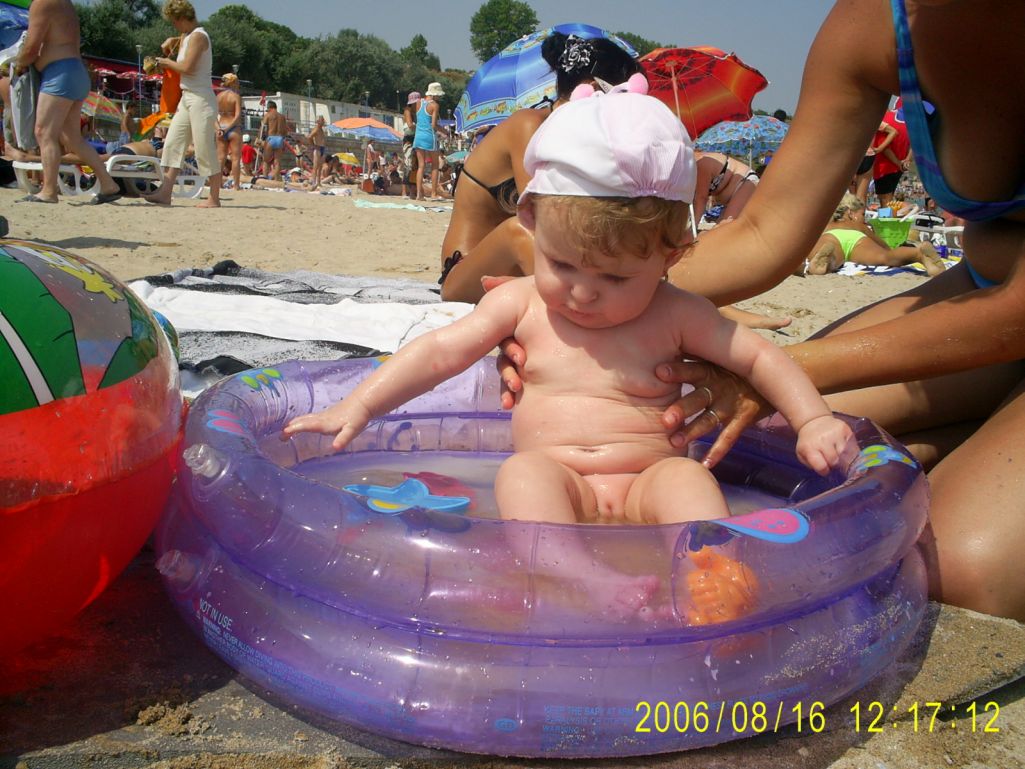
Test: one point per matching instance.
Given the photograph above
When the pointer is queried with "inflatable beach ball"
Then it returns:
(91, 416)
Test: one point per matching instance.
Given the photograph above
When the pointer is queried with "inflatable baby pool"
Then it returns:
(374, 588)
(91, 415)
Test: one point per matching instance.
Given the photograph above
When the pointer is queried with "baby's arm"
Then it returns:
(821, 437)
(421, 365)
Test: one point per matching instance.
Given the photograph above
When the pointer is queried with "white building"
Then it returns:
(304, 111)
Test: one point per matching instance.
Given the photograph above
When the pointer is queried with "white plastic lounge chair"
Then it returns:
(141, 167)
(928, 226)
(68, 173)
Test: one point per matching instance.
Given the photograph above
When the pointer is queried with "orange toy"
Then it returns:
(91, 416)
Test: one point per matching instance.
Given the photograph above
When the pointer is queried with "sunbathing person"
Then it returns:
(849, 239)
(724, 181)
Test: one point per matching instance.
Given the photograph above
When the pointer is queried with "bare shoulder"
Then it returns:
(673, 300)
(858, 39)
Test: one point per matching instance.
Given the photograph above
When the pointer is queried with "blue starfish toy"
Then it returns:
(392, 500)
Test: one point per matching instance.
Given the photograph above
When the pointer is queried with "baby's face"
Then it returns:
(602, 292)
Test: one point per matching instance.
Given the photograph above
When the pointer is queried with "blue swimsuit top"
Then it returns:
(921, 139)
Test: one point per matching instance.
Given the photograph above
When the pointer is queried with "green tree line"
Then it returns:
(342, 66)
(271, 57)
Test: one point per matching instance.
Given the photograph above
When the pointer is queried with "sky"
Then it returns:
(773, 36)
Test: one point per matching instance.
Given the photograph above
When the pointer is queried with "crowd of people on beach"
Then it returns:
(568, 242)
(203, 133)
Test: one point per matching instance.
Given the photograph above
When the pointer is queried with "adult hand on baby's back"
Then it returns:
(344, 420)
(720, 397)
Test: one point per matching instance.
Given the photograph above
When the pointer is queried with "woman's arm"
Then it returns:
(981, 328)
(845, 90)
(197, 44)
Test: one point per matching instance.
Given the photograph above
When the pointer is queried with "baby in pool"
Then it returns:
(608, 209)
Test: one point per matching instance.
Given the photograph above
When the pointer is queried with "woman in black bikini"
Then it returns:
(484, 236)
(725, 181)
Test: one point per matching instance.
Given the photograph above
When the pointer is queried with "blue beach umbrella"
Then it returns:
(756, 136)
(517, 77)
(13, 21)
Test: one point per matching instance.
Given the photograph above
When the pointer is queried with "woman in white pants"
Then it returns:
(195, 120)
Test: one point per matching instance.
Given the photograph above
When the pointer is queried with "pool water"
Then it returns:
(464, 474)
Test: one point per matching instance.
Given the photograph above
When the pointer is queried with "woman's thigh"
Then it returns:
(867, 251)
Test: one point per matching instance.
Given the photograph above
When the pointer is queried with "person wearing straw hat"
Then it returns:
(425, 140)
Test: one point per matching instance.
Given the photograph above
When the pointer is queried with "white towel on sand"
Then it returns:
(382, 326)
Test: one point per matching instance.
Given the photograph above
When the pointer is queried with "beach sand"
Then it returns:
(279, 231)
(58, 694)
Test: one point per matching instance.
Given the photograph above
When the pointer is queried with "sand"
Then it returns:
(290, 230)
(71, 720)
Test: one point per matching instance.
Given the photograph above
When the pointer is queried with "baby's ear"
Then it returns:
(525, 213)
(582, 91)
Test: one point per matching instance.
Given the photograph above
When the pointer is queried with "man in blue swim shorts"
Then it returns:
(52, 46)
(276, 127)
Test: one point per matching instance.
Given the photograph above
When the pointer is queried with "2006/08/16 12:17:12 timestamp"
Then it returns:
(760, 717)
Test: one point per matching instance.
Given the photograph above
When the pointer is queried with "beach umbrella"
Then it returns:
(368, 127)
(517, 77)
(703, 85)
(13, 21)
(98, 106)
(348, 158)
(756, 136)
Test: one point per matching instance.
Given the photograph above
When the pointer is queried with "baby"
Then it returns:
(608, 209)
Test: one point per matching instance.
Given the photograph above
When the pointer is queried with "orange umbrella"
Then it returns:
(363, 126)
(703, 85)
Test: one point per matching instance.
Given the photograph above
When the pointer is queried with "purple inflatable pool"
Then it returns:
(355, 586)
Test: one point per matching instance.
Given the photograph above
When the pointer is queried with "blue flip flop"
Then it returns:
(34, 199)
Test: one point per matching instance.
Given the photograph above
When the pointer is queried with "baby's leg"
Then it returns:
(720, 588)
(532, 486)
(676, 490)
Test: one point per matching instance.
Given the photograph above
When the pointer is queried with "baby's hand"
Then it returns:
(345, 420)
(822, 441)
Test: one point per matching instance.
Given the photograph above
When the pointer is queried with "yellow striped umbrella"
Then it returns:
(100, 107)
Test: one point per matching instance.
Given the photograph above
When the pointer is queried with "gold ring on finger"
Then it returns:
(709, 393)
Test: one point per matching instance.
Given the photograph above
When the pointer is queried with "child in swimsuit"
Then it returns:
(608, 209)
(849, 239)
